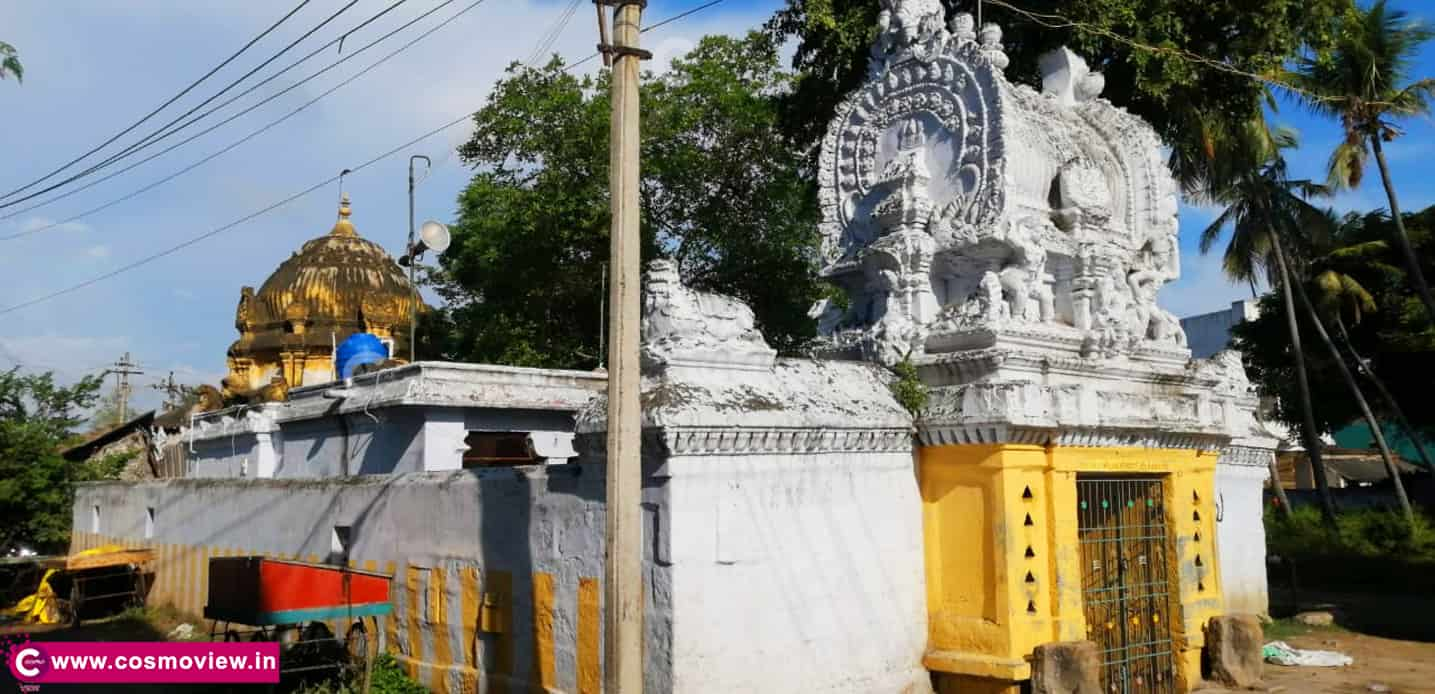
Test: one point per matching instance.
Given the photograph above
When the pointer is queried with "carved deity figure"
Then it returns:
(987, 305)
(1024, 279)
(244, 313)
(1156, 264)
(903, 23)
(907, 206)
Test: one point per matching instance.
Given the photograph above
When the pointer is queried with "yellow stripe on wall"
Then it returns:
(438, 621)
(391, 622)
(544, 669)
(468, 631)
(205, 553)
(166, 573)
(412, 586)
(196, 584)
(590, 628)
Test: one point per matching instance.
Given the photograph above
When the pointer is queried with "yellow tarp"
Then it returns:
(40, 607)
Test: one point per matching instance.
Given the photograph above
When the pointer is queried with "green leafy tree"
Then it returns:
(1365, 83)
(722, 195)
(36, 418)
(1265, 208)
(1184, 65)
(1318, 223)
(1337, 259)
(10, 63)
(1391, 341)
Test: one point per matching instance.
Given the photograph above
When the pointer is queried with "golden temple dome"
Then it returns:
(334, 286)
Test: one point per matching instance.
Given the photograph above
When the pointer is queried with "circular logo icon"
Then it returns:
(29, 662)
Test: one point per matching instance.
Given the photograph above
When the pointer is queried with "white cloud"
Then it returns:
(183, 293)
(100, 251)
(668, 50)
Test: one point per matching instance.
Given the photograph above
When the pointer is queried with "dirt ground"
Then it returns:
(1405, 667)
(1391, 638)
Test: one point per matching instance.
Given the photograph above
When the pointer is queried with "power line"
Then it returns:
(681, 16)
(1056, 21)
(646, 29)
(186, 114)
(151, 139)
(162, 106)
(246, 138)
(273, 206)
(551, 36)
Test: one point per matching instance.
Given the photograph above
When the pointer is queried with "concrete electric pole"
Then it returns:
(173, 392)
(123, 369)
(623, 569)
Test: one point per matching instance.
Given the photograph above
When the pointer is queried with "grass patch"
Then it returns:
(1287, 627)
(387, 677)
(1369, 533)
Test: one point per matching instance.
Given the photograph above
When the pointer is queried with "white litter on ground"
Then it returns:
(1282, 653)
(183, 632)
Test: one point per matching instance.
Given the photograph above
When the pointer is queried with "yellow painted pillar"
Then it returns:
(544, 667)
(590, 629)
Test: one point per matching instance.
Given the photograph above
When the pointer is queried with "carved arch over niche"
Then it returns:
(955, 97)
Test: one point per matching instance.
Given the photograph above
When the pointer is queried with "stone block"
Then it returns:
(1233, 650)
(1068, 667)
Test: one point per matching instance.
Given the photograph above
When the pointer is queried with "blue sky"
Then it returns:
(92, 68)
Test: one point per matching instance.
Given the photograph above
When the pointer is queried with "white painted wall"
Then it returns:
(1241, 537)
(797, 573)
(1209, 333)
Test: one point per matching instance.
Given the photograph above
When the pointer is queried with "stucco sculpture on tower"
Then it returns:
(939, 171)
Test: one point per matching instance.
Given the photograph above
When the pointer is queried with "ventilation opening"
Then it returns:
(339, 542)
(149, 523)
(494, 448)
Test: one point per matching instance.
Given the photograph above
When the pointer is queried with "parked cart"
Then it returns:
(263, 599)
(100, 581)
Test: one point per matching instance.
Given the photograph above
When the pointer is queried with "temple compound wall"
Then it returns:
(783, 529)
(496, 572)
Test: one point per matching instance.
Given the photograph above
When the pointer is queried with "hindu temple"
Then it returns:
(334, 286)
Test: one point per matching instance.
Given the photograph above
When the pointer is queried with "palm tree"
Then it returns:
(1314, 220)
(1337, 256)
(10, 63)
(1364, 83)
(1264, 206)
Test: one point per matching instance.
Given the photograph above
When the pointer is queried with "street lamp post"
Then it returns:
(412, 257)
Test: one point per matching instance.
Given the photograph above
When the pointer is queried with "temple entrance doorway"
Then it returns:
(1125, 547)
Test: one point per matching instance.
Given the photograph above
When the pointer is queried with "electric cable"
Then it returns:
(162, 106)
(269, 208)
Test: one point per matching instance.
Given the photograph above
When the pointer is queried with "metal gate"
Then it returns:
(1123, 538)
